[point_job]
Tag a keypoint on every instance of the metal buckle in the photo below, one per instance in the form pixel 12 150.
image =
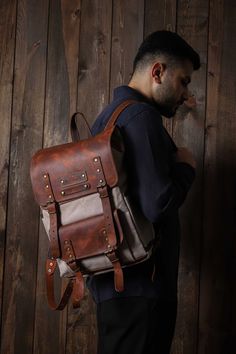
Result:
pixel 111 254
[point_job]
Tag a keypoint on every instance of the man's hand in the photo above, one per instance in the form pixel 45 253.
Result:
pixel 184 155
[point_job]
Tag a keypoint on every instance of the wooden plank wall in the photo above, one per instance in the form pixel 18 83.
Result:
pixel 61 55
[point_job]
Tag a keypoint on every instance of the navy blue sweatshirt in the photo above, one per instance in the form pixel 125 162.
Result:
pixel 158 185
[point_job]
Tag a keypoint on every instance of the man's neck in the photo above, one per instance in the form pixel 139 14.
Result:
pixel 141 87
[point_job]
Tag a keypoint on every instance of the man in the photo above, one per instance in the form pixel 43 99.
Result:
pixel 141 319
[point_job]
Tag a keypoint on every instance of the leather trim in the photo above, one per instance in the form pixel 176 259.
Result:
pixel 51 265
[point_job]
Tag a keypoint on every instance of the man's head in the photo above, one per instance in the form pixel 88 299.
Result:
pixel 162 70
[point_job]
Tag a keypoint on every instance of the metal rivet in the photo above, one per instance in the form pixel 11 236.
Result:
pixel 49 270
pixel 106 238
pixel 68 249
pixel 51 264
pixel 62 181
pixel 83 175
pixel 85 186
pixel 104 232
pixel 44 176
pixel 95 159
pixel 47 186
pixel 66 242
pixel 62 193
pixel 109 246
pixel 98 170
pixel 101 180
pixel 50 197
pixel 70 255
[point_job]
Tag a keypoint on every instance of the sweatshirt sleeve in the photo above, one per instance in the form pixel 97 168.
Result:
pixel 159 185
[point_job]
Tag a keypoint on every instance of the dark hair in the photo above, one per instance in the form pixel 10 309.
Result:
pixel 165 43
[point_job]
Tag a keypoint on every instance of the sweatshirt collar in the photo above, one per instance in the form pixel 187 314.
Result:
pixel 129 93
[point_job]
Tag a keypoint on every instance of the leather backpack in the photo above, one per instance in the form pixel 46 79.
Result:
pixel 92 224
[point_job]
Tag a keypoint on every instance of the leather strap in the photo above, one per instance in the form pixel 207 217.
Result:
pixel 75 287
pixel 119 228
pixel 117 112
pixel 118 272
pixel 53 231
pixel 74 132
pixel 106 205
pixel 53 217
pixel 75 135
pixel 51 265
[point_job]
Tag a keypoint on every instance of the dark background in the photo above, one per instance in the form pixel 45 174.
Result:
pixel 57 57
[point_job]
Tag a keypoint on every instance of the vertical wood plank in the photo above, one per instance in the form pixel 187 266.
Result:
pixel 94 57
pixel 160 15
pixel 93 95
pixel 60 103
pixel 7 50
pixel 217 297
pixel 22 220
pixel 128 18
pixel 188 130
pixel 71 15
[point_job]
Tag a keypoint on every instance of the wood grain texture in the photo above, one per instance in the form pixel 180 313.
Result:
pixel 94 57
pixel 188 130
pixel 217 297
pixel 82 328
pixel 61 95
pixel 60 56
pixel 7 49
pixel 22 220
pixel 71 16
pixel 128 17
pixel 160 15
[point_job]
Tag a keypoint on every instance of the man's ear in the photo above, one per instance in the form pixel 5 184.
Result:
pixel 158 71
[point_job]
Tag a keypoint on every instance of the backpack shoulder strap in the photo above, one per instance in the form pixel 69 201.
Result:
pixel 111 122
pixel 75 286
pixel 75 135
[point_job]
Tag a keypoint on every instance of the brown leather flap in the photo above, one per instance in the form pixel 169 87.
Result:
pixel 84 238
pixel 72 170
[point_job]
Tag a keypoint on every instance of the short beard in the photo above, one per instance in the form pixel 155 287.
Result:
pixel 167 102
pixel 167 107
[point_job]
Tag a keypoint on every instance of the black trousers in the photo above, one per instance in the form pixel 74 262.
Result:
pixel 135 325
